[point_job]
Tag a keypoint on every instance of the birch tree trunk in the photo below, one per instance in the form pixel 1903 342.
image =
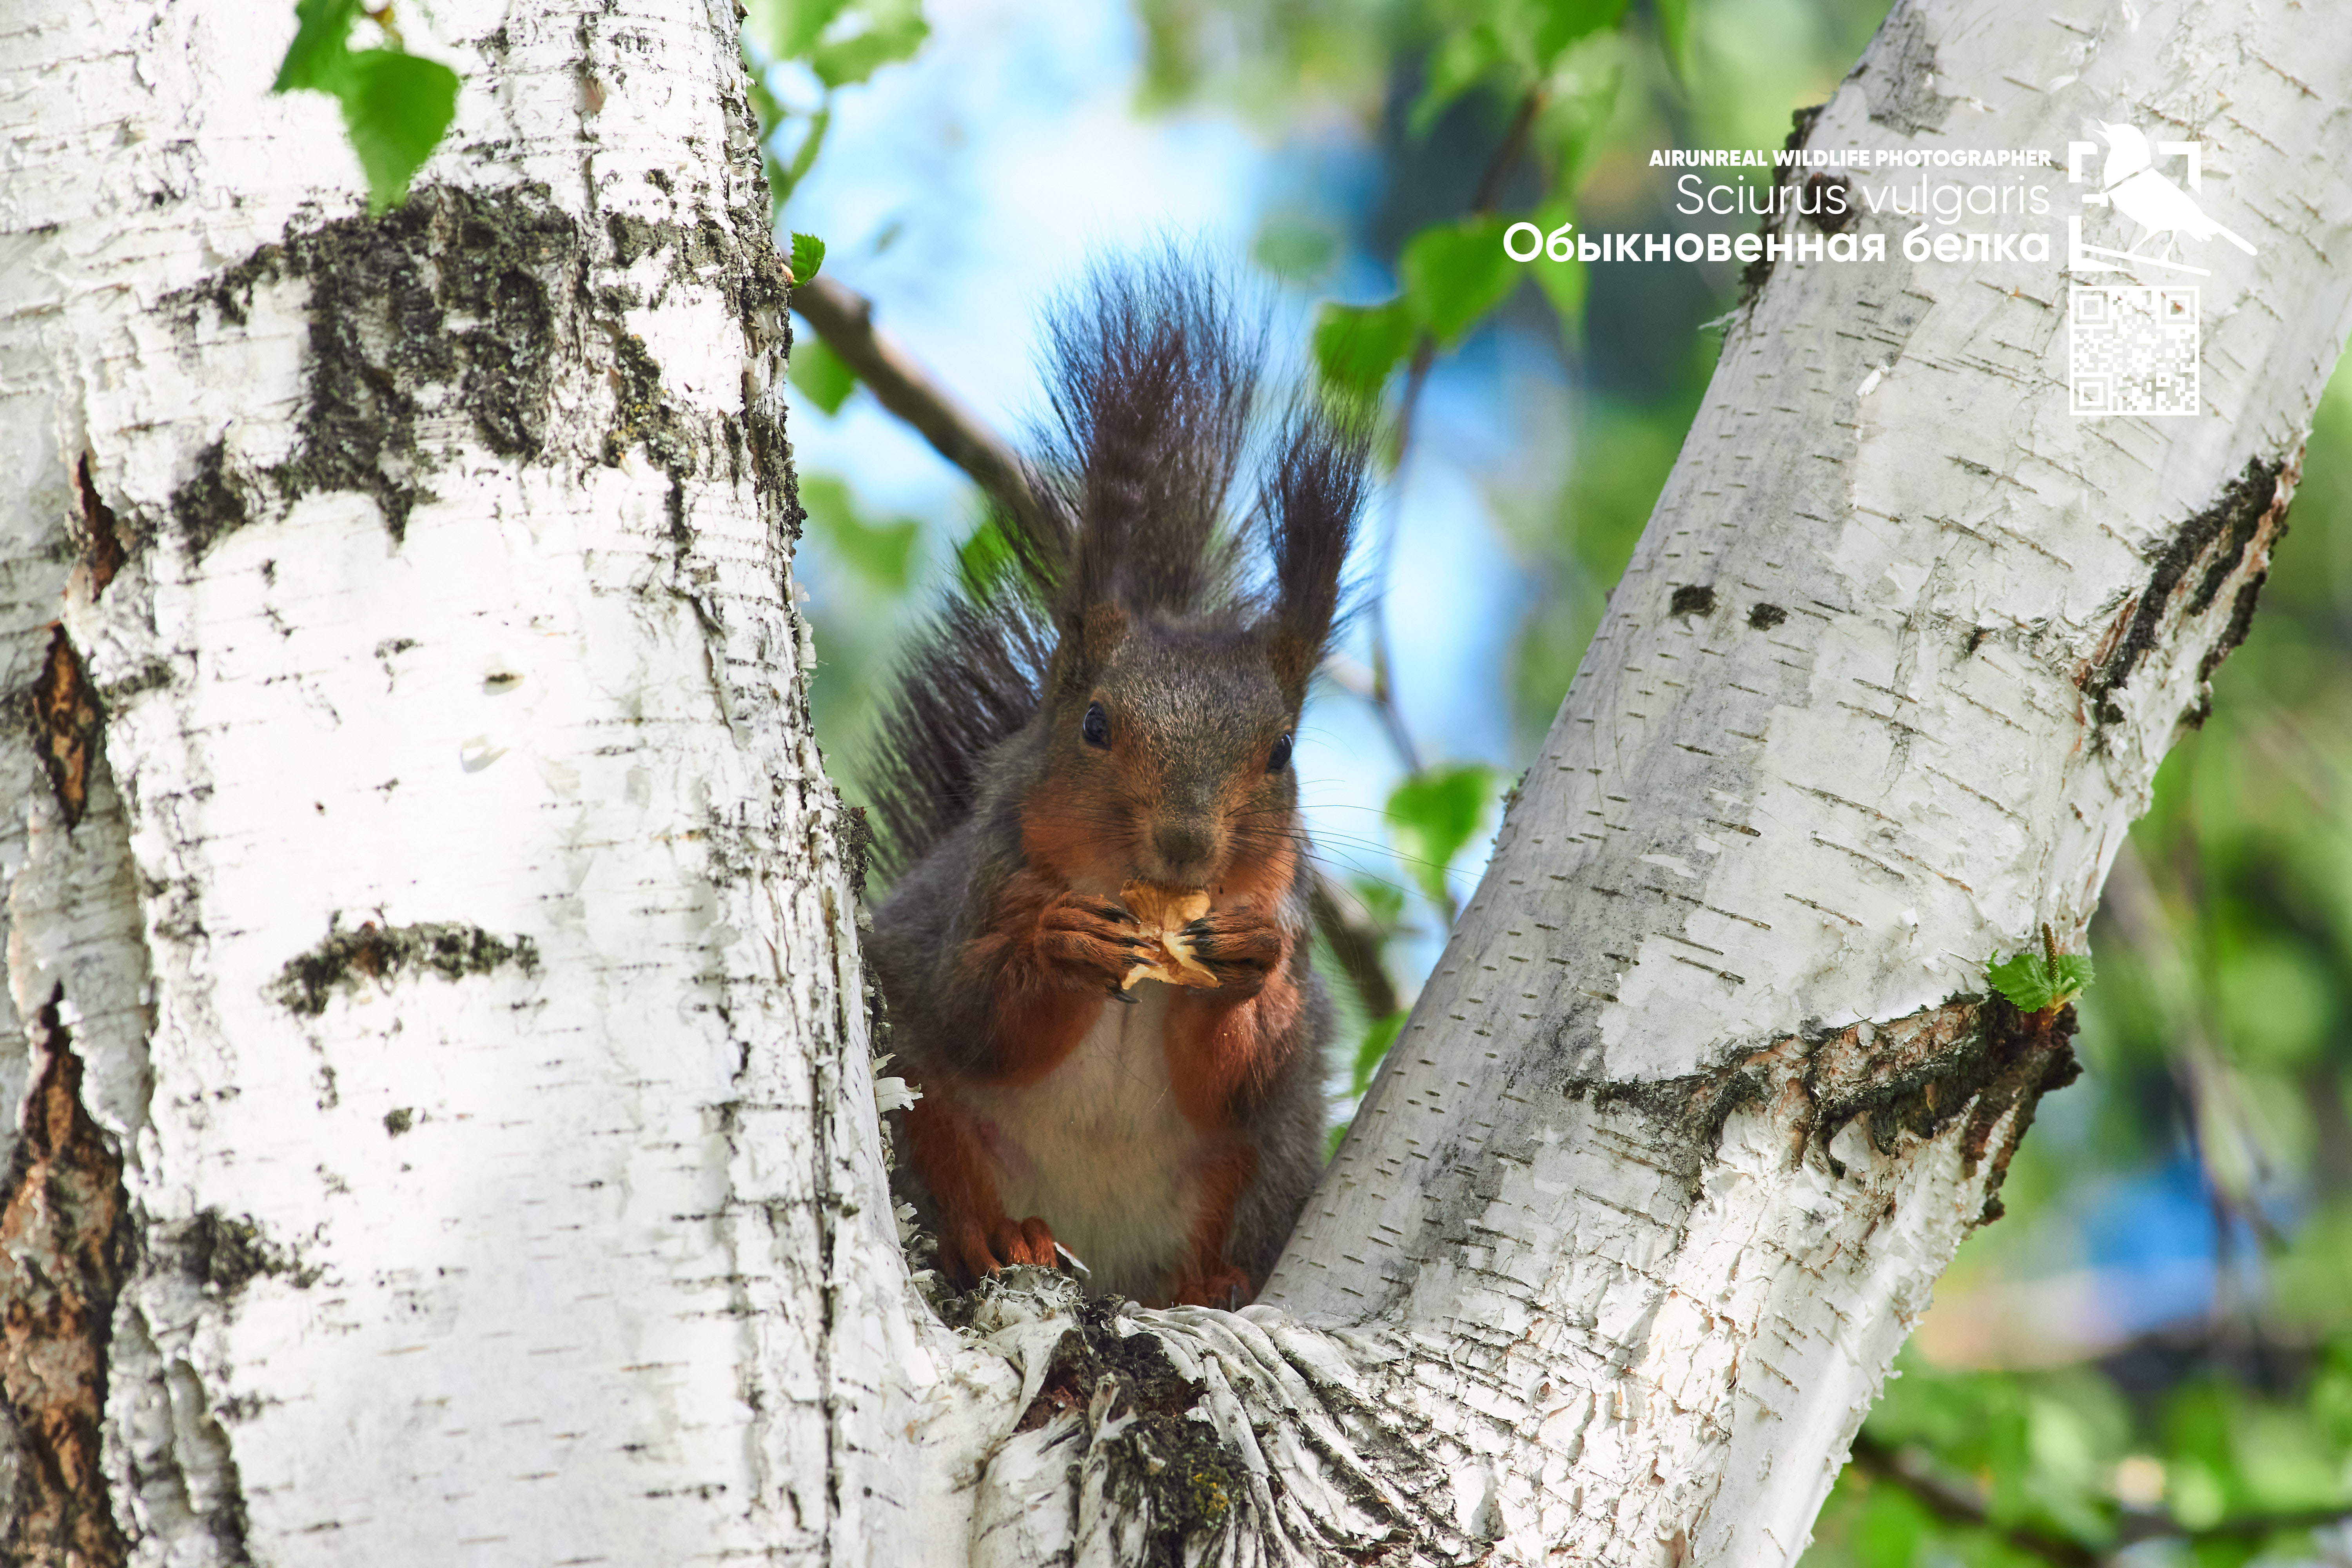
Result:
pixel 448 1130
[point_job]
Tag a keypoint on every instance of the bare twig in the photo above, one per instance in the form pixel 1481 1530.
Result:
pixel 1960 1505
pixel 845 320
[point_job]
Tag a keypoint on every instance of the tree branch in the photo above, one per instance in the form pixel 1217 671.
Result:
pixel 845 320
pixel 1960 1505
pixel 1424 352
pixel 1355 942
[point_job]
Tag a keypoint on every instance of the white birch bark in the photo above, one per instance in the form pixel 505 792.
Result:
pixel 453 605
pixel 448 1129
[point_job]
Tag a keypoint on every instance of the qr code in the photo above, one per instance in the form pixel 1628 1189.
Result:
pixel 2133 350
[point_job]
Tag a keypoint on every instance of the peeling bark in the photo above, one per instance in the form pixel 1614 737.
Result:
pixel 65 717
pixel 64 1249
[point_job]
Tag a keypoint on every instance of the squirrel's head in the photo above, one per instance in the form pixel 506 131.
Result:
pixel 1183 641
pixel 1168 756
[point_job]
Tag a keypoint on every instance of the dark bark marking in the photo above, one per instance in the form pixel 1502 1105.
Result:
pixel 2247 519
pixel 1692 599
pixel 1973 1056
pixel 309 980
pixel 1817 209
pixel 1764 617
pixel 225 1254
pixel 853 839
pixel 480 301
pixel 66 716
pixel 214 502
pixel 66 1247
pixel 1753 275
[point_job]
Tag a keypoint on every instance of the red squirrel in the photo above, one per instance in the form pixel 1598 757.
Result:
pixel 1095 950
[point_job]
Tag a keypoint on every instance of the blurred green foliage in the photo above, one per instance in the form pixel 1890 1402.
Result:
pixel 881 553
pixel 839 43
pixel 819 375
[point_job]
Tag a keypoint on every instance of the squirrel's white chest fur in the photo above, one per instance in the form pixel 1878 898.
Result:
pixel 1098 1150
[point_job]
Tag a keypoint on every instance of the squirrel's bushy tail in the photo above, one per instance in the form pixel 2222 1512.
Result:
pixel 1152 373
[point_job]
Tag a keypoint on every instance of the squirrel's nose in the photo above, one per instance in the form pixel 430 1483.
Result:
pixel 1183 844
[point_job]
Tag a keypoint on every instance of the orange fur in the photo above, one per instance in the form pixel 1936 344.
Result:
pixel 1042 1011
pixel 976 1236
pixel 1207 1279
pixel 1218 1048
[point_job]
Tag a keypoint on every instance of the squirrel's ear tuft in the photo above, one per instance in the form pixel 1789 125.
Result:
pixel 1151 370
pixel 1100 631
pixel 1312 498
pixel 1088 638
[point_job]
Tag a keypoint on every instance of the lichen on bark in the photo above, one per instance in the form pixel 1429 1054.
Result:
pixel 381 953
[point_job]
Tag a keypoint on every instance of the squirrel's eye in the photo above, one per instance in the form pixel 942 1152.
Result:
pixel 1279 758
pixel 1095 726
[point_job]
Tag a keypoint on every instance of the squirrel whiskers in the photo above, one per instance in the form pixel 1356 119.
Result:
pixel 1085 794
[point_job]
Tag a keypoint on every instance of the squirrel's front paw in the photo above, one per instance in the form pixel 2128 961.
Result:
pixel 971 1249
pixel 1092 940
pixel 1240 946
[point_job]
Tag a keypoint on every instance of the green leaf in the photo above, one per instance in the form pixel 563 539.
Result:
pixel 821 374
pixel 808 256
pixel 859 56
pixel 1575 117
pixel 1890 1528
pixel 1296 250
pixel 321 45
pixel 2031 983
pixel 1356 346
pixel 1384 901
pixel 784 178
pixel 2195 1493
pixel 1432 814
pixel 1375 1045
pixel 395 106
pixel 1563 284
pixel 2075 974
pixel 1455 273
pixel 881 553
pixel 1459 63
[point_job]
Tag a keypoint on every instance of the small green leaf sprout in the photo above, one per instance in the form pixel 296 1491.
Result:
pixel 808 255
pixel 2042 982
